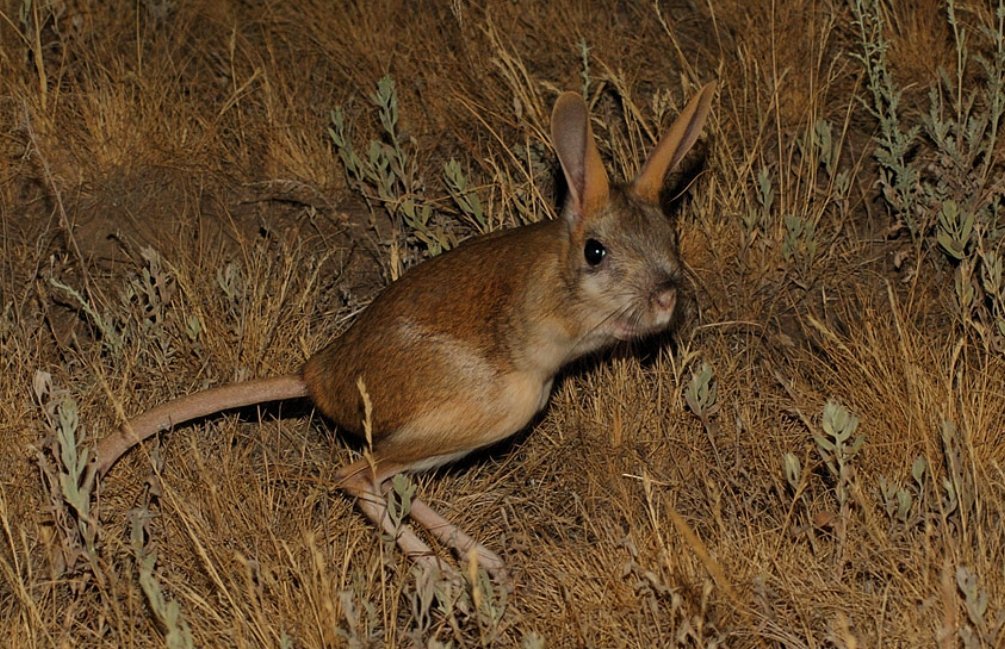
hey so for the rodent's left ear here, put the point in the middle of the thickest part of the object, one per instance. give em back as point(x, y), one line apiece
point(584, 171)
point(677, 142)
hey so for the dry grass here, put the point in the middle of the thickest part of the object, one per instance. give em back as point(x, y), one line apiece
point(174, 216)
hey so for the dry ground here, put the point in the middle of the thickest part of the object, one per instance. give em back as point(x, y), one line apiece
point(175, 216)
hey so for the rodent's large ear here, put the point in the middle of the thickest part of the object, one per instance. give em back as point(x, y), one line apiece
point(581, 163)
point(677, 141)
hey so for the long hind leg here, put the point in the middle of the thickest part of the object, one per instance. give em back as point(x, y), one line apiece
point(358, 480)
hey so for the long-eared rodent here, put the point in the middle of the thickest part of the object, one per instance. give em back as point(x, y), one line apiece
point(462, 350)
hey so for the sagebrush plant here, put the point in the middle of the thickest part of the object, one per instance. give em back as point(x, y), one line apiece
point(177, 633)
point(141, 317)
point(905, 505)
point(147, 297)
point(982, 628)
point(111, 336)
point(959, 489)
point(399, 504)
point(62, 461)
point(690, 619)
point(756, 219)
point(793, 192)
point(465, 197)
point(826, 184)
point(838, 446)
point(941, 178)
point(388, 177)
point(964, 187)
point(701, 396)
point(899, 180)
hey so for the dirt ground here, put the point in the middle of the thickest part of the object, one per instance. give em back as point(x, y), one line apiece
point(197, 193)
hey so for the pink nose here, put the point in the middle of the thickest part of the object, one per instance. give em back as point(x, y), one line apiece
point(666, 299)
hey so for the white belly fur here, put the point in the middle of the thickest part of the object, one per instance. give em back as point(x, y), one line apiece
point(481, 421)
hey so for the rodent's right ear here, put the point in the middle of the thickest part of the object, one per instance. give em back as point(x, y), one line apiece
point(581, 163)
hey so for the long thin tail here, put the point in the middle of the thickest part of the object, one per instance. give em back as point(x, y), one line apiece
point(200, 404)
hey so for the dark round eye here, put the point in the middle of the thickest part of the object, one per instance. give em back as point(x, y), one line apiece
point(594, 251)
